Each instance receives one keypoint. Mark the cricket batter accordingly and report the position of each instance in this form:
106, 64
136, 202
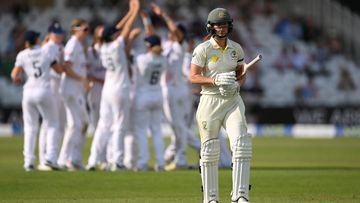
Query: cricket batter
218, 65
74, 85
38, 99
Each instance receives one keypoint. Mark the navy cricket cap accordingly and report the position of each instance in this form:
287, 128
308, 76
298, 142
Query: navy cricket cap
108, 33
152, 40
56, 28
31, 36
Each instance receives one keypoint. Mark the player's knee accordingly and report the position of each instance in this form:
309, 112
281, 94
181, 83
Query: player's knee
210, 151
242, 148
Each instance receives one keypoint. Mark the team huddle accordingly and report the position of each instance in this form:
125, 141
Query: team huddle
120, 93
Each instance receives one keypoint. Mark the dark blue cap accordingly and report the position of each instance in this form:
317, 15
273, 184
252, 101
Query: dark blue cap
31, 36
56, 28
152, 40
108, 33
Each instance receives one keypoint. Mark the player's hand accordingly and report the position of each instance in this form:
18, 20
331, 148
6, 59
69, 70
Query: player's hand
134, 4
156, 8
229, 90
86, 84
228, 78
135, 32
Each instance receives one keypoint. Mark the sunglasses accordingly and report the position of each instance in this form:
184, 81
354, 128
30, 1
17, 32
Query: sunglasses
85, 29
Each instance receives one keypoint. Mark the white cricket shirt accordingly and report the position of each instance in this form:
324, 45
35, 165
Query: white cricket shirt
213, 60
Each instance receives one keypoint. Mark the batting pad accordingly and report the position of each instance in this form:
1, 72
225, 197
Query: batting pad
210, 153
242, 152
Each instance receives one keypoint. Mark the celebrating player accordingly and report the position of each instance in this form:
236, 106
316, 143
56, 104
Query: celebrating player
115, 96
54, 47
148, 102
74, 84
175, 87
218, 65
38, 98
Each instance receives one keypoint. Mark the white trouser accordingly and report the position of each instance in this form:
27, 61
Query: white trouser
94, 99
60, 108
76, 126
174, 103
39, 102
119, 103
101, 136
148, 112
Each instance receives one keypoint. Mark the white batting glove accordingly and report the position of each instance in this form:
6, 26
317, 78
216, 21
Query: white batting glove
227, 78
229, 90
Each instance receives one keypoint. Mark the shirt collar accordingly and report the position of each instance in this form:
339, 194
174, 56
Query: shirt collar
216, 46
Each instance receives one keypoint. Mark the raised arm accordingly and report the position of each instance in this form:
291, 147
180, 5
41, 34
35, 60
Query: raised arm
134, 7
148, 26
168, 20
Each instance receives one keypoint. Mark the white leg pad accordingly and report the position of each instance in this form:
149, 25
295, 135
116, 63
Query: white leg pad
210, 153
242, 153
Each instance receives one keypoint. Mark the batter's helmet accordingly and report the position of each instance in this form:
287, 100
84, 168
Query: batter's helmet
218, 16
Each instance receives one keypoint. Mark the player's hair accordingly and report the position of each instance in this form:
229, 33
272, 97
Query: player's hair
76, 23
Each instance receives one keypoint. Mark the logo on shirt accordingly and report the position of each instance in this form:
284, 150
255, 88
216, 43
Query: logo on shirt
234, 55
204, 125
214, 58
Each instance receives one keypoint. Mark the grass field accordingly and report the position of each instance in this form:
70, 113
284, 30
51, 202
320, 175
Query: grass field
283, 170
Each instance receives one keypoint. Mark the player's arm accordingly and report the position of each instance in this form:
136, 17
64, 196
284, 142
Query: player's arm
16, 74
68, 70
168, 20
95, 79
133, 35
196, 76
241, 74
57, 67
134, 8
148, 26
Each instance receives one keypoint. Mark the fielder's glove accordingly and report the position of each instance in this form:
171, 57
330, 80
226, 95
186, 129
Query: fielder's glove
227, 78
229, 90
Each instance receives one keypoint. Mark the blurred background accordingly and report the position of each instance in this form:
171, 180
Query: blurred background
307, 83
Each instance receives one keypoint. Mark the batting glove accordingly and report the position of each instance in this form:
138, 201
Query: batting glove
227, 78
229, 90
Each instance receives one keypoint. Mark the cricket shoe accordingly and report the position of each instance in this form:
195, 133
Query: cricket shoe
51, 165
117, 167
29, 168
72, 166
43, 167
90, 167
173, 166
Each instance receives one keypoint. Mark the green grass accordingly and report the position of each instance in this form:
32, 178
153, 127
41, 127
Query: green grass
283, 170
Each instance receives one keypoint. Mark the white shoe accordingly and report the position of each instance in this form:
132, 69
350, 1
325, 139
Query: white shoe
117, 167
43, 167
29, 168
90, 168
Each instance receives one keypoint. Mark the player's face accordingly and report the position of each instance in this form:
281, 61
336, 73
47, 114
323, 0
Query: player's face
57, 38
221, 29
83, 30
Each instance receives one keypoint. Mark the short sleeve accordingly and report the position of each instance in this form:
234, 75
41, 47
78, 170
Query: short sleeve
19, 62
199, 56
69, 51
120, 42
240, 60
